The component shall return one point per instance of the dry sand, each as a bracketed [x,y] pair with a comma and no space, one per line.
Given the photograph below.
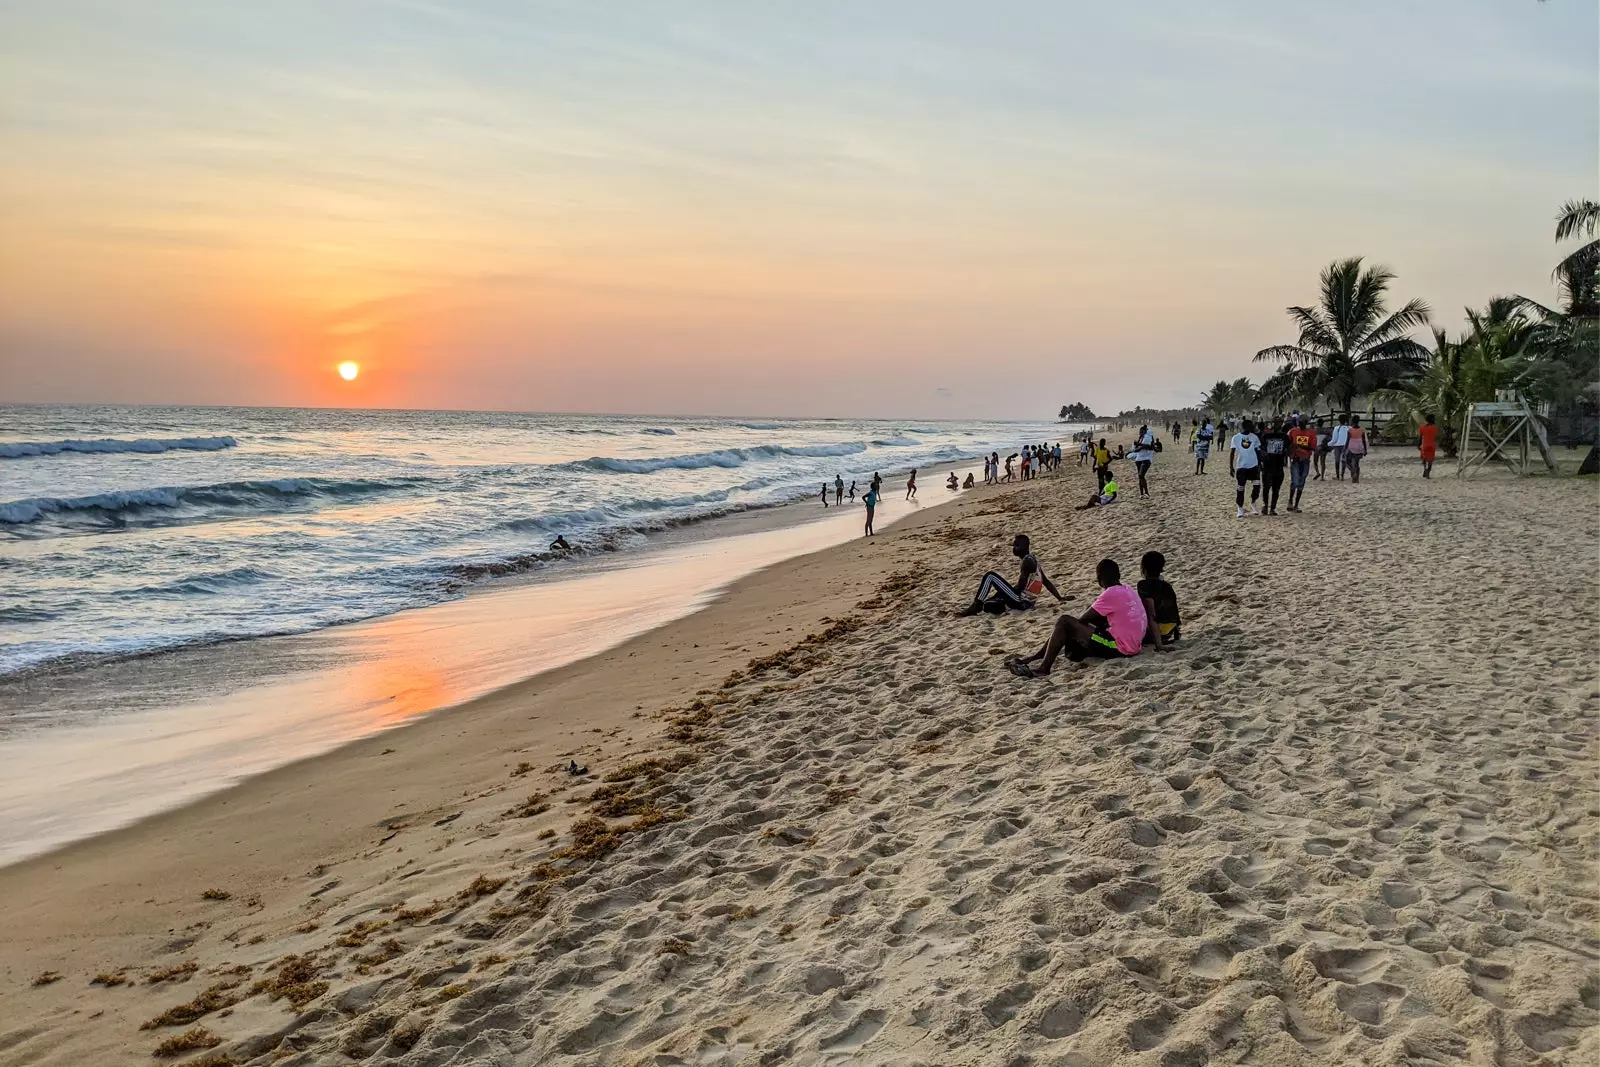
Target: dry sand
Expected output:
[1353,820]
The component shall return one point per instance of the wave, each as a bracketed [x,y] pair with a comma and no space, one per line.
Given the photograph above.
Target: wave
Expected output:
[660,431]
[897,442]
[147,445]
[122,507]
[760,425]
[724,457]
[202,584]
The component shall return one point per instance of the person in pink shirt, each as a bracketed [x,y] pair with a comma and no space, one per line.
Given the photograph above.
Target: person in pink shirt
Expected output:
[1117,625]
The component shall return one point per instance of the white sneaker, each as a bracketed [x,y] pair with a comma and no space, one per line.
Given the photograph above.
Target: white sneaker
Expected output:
[1241,513]
[1254,510]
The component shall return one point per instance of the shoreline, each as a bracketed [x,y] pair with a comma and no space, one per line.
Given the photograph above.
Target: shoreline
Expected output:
[216,706]
[870,840]
[87,907]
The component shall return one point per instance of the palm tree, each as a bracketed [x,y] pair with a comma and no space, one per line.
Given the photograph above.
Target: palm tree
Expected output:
[1578,274]
[1437,391]
[1348,344]
[1229,398]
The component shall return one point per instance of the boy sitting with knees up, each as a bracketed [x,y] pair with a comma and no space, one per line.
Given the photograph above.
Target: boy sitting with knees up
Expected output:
[995,595]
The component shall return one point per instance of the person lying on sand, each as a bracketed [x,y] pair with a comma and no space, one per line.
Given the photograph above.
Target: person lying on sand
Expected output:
[1116,627]
[1106,495]
[995,595]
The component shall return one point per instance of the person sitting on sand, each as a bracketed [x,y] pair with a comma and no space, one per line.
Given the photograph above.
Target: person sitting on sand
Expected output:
[1115,627]
[1106,495]
[966,484]
[953,482]
[560,544]
[1160,600]
[995,595]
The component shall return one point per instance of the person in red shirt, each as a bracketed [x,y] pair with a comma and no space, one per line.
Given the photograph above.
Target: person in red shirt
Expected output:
[1430,441]
[1302,446]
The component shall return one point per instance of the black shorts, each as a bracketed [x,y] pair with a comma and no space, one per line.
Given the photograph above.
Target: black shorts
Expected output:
[1247,474]
[1103,646]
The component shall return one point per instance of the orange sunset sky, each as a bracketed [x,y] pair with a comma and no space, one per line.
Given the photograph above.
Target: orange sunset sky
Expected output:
[914,209]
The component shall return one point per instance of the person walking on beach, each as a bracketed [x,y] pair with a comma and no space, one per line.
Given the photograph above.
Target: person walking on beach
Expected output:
[911,486]
[1429,432]
[877,484]
[1319,461]
[838,489]
[1202,446]
[1102,463]
[824,496]
[852,490]
[1302,446]
[1274,457]
[1355,448]
[997,596]
[1144,454]
[1244,463]
[1337,443]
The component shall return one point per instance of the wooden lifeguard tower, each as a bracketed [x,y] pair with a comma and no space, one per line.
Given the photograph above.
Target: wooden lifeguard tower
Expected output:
[1509,430]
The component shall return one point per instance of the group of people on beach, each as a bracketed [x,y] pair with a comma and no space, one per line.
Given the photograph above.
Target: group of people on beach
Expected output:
[1123,620]
[1035,460]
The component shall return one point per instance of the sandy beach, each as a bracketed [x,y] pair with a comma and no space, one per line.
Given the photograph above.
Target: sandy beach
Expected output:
[1352,820]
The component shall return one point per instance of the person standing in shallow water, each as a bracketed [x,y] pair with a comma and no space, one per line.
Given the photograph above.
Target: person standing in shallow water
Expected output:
[838,489]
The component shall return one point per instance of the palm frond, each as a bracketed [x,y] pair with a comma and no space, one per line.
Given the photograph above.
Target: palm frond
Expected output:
[1576,216]
[1416,313]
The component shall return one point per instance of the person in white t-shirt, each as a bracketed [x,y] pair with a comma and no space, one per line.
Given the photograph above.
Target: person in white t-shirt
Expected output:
[1338,442]
[1143,454]
[1244,463]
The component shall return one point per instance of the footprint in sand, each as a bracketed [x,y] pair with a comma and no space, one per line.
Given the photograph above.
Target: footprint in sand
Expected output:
[863,1028]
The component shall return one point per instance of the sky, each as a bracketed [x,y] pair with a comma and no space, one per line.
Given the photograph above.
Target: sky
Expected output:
[903,209]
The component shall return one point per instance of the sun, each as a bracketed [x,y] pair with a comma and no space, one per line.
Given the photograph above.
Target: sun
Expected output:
[349,369]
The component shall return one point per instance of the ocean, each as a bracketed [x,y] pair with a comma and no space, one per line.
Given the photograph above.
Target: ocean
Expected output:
[129,530]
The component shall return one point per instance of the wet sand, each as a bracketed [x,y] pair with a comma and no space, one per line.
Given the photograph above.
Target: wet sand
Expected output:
[1353,820]
[132,738]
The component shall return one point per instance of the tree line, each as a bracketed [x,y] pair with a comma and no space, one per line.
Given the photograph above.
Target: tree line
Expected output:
[1350,344]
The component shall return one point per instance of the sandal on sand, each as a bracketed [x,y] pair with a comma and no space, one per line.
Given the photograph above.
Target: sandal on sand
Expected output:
[1019,668]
